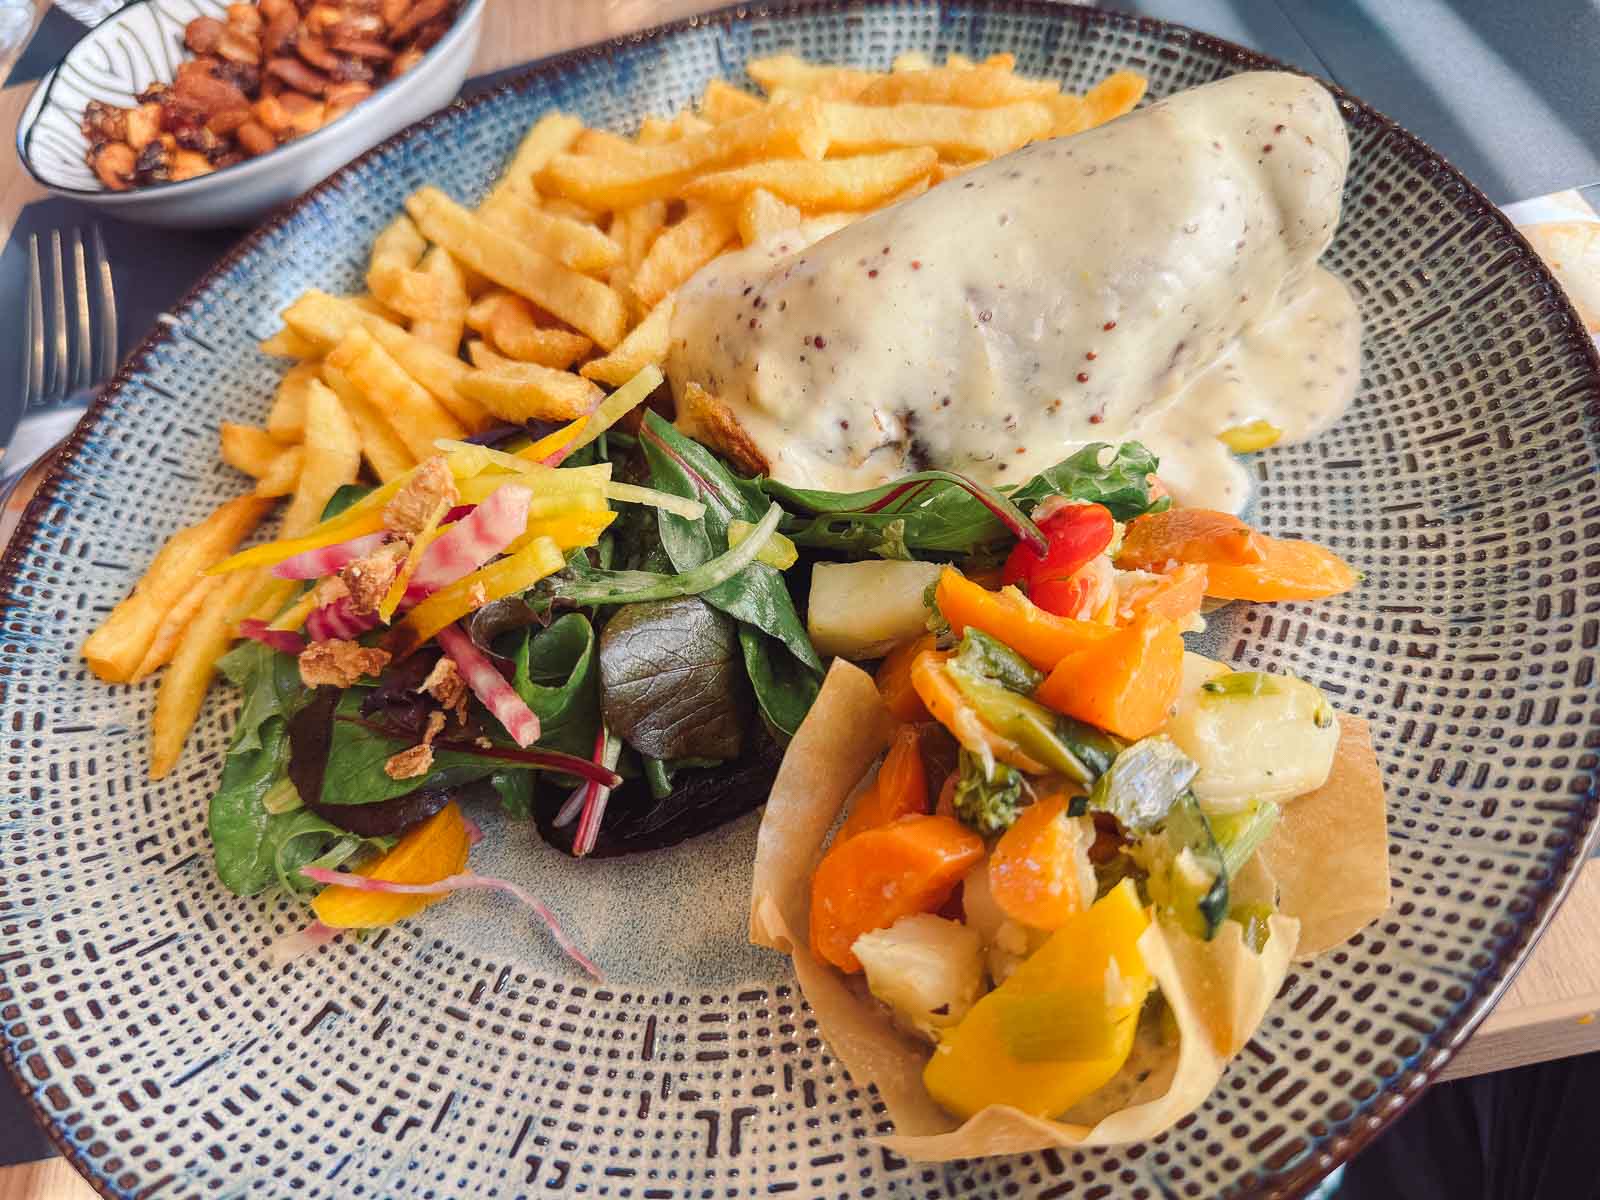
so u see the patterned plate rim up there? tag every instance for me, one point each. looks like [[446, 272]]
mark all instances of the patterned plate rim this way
[[1405, 1088]]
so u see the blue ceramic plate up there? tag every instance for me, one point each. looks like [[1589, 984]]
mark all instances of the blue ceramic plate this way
[[455, 1055]]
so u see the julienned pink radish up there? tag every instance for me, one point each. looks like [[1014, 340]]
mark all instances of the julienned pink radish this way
[[472, 541], [490, 687], [339, 621], [455, 883], [329, 560], [284, 641]]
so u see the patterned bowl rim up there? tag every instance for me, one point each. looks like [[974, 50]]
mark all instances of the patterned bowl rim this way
[[1402, 1091], [38, 105]]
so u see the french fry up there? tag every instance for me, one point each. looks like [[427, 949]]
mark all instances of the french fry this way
[[1114, 96], [395, 253], [286, 343], [587, 305], [790, 74], [839, 183], [653, 131], [332, 458], [982, 86], [548, 136], [518, 392], [687, 125], [645, 346], [659, 172], [416, 417], [327, 319], [914, 60], [680, 251], [440, 323], [958, 62], [385, 453], [603, 144], [574, 244], [118, 646], [635, 230], [287, 417], [945, 172], [282, 474], [248, 448], [916, 189], [762, 215], [561, 206], [1068, 115], [962, 134], [194, 663], [174, 626], [724, 102], [508, 322]]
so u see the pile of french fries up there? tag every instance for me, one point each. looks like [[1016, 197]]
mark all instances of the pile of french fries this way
[[558, 286]]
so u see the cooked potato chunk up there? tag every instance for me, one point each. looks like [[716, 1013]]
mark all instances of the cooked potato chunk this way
[[863, 609], [927, 969]]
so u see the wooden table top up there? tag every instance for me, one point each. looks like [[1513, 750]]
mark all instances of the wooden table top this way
[[1548, 1012]]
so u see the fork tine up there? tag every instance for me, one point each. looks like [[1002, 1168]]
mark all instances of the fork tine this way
[[33, 345], [58, 311], [83, 347], [108, 308]]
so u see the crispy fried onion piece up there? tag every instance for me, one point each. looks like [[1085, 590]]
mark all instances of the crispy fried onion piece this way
[[339, 663], [414, 503]]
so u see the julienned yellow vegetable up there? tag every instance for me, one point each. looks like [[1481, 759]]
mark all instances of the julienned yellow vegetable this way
[[449, 604], [778, 551], [429, 852], [1060, 1027]]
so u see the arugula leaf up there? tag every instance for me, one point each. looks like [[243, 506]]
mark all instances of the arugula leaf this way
[[253, 848], [515, 789], [941, 517], [356, 754], [670, 683], [271, 685], [1122, 485], [785, 688], [343, 498], [557, 675], [238, 822], [756, 595]]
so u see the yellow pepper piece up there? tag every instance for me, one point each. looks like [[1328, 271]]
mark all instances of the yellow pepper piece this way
[[552, 442], [338, 529], [449, 604], [1060, 1027], [295, 616], [568, 530], [431, 529], [1251, 436], [432, 851], [779, 551]]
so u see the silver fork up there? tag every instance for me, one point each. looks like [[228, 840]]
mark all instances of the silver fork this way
[[62, 359]]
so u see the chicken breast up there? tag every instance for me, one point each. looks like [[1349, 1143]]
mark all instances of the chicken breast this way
[[1071, 292]]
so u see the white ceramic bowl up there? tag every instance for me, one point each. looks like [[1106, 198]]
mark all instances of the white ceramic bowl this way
[[143, 44]]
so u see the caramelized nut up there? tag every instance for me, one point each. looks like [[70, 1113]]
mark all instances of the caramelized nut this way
[[297, 75], [238, 46], [342, 97], [421, 13], [244, 18], [114, 163], [204, 34], [255, 139]]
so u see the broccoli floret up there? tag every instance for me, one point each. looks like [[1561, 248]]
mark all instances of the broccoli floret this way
[[987, 802]]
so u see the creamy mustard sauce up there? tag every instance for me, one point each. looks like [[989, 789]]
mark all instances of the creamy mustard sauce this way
[[1080, 290]]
